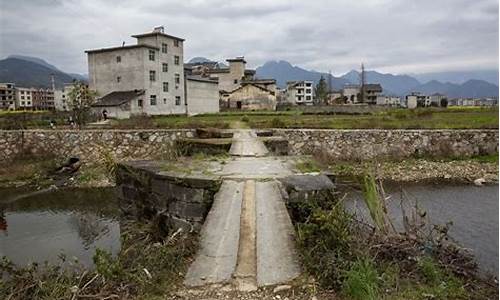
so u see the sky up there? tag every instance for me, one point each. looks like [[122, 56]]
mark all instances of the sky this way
[[397, 36]]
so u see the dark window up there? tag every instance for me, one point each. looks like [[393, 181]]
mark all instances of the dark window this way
[[176, 60], [152, 99], [152, 76], [118, 59], [235, 81], [165, 67], [118, 79], [176, 43], [139, 102], [164, 100], [151, 55], [177, 100], [165, 86], [164, 48], [177, 79]]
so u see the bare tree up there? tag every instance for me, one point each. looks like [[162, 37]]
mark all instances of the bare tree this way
[[80, 102]]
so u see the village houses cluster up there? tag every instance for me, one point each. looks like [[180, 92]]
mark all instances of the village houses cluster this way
[[150, 77]]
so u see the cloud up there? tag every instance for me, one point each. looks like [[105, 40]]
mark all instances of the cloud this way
[[397, 36]]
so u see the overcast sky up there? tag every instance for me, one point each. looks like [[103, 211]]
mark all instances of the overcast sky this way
[[398, 36]]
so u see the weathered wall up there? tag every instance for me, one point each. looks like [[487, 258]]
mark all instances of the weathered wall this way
[[91, 145], [202, 96], [369, 144]]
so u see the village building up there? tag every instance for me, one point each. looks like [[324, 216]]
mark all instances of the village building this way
[[393, 101], [300, 92], [238, 87], [335, 97], [61, 97], [150, 74], [202, 94], [24, 98], [8, 96], [371, 91], [43, 99]]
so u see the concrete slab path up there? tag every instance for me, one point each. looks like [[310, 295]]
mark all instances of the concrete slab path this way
[[246, 143]]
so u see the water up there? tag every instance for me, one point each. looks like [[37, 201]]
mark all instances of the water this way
[[74, 222], [472, 210]]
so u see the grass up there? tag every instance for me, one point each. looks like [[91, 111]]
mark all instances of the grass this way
[[426, 118], [307, 166]]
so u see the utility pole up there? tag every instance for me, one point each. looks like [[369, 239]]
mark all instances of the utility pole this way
[[362, 84], [329, 86]]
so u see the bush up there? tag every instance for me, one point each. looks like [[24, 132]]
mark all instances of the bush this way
[[277, 123], [245, 119]]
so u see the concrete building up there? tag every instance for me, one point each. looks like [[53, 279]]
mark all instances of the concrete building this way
[[8, 96], [351, 93], [43, 99], [335, 97], [393, 101], [202, 95], [300, 92], [61, 97], [231, 78], [371, 92], [415, 99], [149, 75], [24, 98], [435, 99]]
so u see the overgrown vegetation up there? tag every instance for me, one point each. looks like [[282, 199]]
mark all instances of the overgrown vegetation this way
[[363, 261], [147, 267]]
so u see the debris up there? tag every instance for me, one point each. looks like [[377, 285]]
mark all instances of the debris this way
[[281, 288]]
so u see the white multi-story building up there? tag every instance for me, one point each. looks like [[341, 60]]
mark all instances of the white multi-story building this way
[[146, 78], [300, 92], [388, 100], [61, 97], [24, 98]]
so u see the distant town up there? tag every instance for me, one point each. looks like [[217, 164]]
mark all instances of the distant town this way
[[151, 78]]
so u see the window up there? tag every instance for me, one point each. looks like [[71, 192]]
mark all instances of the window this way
[[176, 60], [22, 103], [176, 43], [139, 102], [22, 92], [165, 67], [152, 76], [152, 99], [235, 81], [177, 79], [165, 86], [151, 55], [118, 59], [164, 48], [118, 79], [22, 97], [308, 97], [164, 100], [177, 100]]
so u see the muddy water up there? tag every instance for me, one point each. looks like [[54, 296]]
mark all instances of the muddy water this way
[[73, 222], [472, 210]]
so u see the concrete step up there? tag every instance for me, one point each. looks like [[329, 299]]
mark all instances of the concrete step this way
[[246, 143], [277, 260], [216, 260]]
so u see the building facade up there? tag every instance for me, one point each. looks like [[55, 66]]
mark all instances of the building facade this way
[[8, 96], [202, 95], [300, 92], [154, 65], [24, 98], [43, 99]]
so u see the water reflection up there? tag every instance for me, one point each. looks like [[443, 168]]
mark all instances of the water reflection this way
[[74, 222]]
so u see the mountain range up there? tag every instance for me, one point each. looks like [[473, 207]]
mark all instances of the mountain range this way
[[29, 71], [398, 85]]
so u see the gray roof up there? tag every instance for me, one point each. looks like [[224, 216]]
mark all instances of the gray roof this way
[[201, 79], [118, 98], [121, 48], [157, 33]]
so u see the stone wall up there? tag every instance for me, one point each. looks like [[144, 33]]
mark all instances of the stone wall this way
[[91, 145], [369, 144]]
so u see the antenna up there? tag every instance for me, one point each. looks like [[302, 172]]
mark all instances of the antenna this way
[[52, 81], [362, 84]]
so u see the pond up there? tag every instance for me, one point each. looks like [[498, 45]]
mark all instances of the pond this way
[[473, 211], [74, 222]]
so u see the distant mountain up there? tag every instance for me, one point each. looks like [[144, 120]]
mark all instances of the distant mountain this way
[[35, 60], [199, 59], [26, 73], [459, 77], [283, 71], [470, 88], [392, 84]]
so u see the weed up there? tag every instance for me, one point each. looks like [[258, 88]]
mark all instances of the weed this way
[[361, 281], [307, 166], [277, 123], [245, 119]]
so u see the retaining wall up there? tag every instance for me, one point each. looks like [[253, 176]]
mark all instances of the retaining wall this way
[[370, 144], [91, 145]]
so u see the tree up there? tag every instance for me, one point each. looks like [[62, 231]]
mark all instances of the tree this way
[[80, 100], [321, 91]]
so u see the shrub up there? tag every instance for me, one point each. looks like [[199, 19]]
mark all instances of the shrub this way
[[361, 282], [277, 123], [245, 119]]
